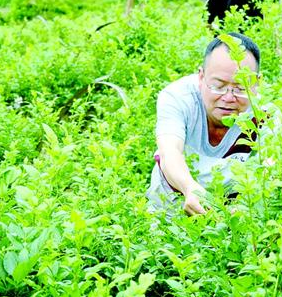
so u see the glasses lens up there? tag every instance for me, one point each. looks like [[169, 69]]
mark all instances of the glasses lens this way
[[240, 94], [217, 91]]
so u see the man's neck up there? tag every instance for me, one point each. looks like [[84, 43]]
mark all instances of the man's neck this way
[[216, 133]]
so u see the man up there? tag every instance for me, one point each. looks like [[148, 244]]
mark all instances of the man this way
[[189, 120]]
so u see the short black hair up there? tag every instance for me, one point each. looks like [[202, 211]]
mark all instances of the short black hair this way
[[246, 42]]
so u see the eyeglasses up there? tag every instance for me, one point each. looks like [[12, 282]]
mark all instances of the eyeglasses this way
[[235, 91]]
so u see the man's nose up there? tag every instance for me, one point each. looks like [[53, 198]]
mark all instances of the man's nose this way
[[229, 96]]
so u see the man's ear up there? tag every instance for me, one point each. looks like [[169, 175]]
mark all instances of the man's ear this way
[[200, 76]]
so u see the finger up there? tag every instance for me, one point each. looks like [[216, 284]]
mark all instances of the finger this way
[[194, 208], [189, 211], [195, 205], [199, 209]]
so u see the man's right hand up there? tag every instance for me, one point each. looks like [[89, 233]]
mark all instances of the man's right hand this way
[[192, 204]]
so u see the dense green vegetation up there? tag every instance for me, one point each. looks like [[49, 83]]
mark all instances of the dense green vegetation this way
[[77, 117]]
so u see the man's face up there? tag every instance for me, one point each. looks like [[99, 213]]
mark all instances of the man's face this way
[[219, 71]]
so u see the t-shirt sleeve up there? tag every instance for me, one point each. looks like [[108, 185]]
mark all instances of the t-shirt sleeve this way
[[172, 115]]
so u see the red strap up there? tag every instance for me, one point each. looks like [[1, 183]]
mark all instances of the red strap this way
[[158, 160]]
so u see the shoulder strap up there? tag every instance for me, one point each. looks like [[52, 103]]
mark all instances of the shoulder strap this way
[[242, 148]]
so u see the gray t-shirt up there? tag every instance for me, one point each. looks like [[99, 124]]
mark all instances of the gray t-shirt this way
[[180, 112]]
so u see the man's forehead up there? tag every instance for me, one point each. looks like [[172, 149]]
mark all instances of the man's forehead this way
[[220, 57], [221, 49]]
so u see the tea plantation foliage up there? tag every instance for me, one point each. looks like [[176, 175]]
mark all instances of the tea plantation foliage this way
[[77, 117]]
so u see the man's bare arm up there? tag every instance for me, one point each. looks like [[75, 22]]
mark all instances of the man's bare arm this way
[[177, 173]]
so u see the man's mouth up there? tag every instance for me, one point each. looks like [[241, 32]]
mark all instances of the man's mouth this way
[[227, 110]]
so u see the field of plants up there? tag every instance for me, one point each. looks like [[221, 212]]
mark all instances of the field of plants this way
[[78, 88]]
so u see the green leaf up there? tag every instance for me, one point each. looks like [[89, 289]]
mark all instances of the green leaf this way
[[104, 218], [50, 135], [175, 285], [31, 171], [92, 271], [11, 174], [39, 242], [248, 268], [10, 262], [23, 255], [120, 279], [246, 142], [3, 273], [177, 262], [146, 280], [242, 284], [135, 264], [108, 149], [24, 268], [118, 229], [138, 290], [25, 196], [183, 266], [250, 125], [68, 149], [228, 121], [15, 230], [78, 220]]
